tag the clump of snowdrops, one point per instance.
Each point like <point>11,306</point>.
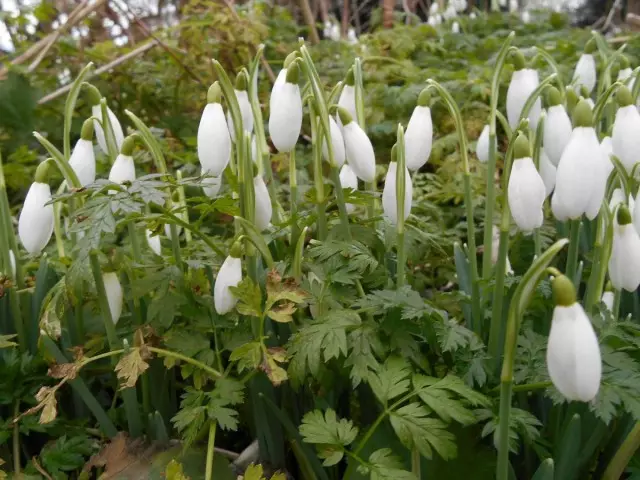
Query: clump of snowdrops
<point>294,293</point>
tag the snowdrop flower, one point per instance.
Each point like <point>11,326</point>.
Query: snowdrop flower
<point>348,179</point>
<point>450,12</point>
<point>123,170</point>
<point>230,275</point>
<point>360,155</point>
<point>636,213</point>
<point>352,38</point>
<point>211,185</point>
<point>455,27</point>
<point>459,5</point>
<point>419,136</point>
<point>513,5</point>
<point>390,194</point>
<point>547,172</point>
<point>334,33</point>
<point>608,298</point>
<point>347,98</point>
<point>83,160</point>
<point>573,352</point>
<point>35,224</point>
<point>617,198</point>
<point>624,263</point>
<point>585,72</point>
<point>113,289</point>
<point>580,179</point>
<point>434,8</point>
<point>153,241</point>
<point>263,209</point>
<point>526,16</point>
<point>242,96</point>
<point>214,141</point>
<point>495,247</point>
<point>285,107</point>
<point>473,15</point>
<point>557,127</point>
<point>626,130</point>
<point>526,191</point>
<point>95,98</point>
<point>523,82</point>
<point>482,147</point>
<point>337,144</point>
<point>607,148</point>
<point>433,20</point>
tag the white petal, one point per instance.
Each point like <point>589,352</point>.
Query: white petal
<point>113,290</point>
<point>526,194</point>
<point>230,275</point>
<point>482,147</point>
<point>245,112</point>
<point>547,172</point>
<point>211,185</point>
<point>285,118</point>
<point>348,179</point>
<point>625,138</point>
<point>418,138</point>
<point>337,144</point>
<point>96,111</point>
<point>347,101</point>
<point>624,263</point>
<point>360,154</point>
<point>557,131</point>
<point>35,224</point>
<point>606,145</point>
<point>390,196</point>
<point>123,170</point>
<point>573,354</point>
<point>263,209</point>
<point>608,299</point>
<point>167,230</point>
<point>585,72</point>
<point>214,141</point>
<point>83,162</point>
<point>523,83</point>
<point>154,242</point>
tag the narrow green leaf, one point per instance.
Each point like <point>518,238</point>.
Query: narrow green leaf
<point>296,266</point>
<point>150,142</point>
<point>70,106</point>
<point>256,238</point>
<point>545,470</point>
<point>568,451</point>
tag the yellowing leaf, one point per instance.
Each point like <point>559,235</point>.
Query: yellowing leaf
<point>282,313</point>
<point>46,397</point>
<point>130,367</point>
<point>63,370</point>
<point>275,372</point>
<point>5,341</point>
<point>174,471</point>
<point>253,472</point>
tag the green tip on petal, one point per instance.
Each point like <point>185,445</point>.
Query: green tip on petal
<point>554,97</point>
<point>572,99</point>
<point>290,59</point>
<point>623,216</point>
<point>87,130</point>
<point>584,92</point>
<point>214,95</point>
<point>564,293</point>
<point>236,249</point>
<point>624,62</point>
<point>345,116</point>
<point>424,98</point>
<point>128,145</point>
<point>350,78</point>
<point>394,153</point>
<point>42,172</point>
<point>582,115</point>
<point>590,46</point>
<point>93,94</point>
<point>255,170</point>
<point>623,96</point>
<point>518,61</point>
<point>521,148</point>
<point>608,287</point>
<point>241,81</point>
<point>293,73</point>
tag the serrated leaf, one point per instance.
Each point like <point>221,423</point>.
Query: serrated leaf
<point>5,341</point>
<point>448,397</point>
<point>130,367</point>
<point>390,380</point>
<point>327,429</point>
<point>249,298</point>
<point>253,472</point>
<point>282,313</point>
<point>248,356</point>
<point>384,465</point>
<point>330,455</point>
<point>174,471</point>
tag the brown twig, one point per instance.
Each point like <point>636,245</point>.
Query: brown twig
<point>345,18</point>
<point>309,20</point>
<point>128,56</point>
<point>42,471</point>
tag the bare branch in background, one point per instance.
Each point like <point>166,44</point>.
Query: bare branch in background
<point>309,20</point>
<point>345,18</point>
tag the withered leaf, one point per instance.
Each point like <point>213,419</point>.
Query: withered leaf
<point>63,370</point>
<point>46,397</point>
<point>282,313</point>
<point>130,367</point>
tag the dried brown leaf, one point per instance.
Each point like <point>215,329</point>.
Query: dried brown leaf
<point>63,370</point>
<point>130,367</point>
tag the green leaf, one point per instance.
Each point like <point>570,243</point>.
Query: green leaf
<point>413,306</point>
<point>5,341</point>
<point>67,454</point>
<point>545,470</point>
<point>327,429</point>
<point>415,429</point>
<point>453,336</point>
<point>331,455</point>
<point>249,298</point>
<point>390,380</point>
<point>248,356</point>
<point>568,450</point>
<point>253,472</point>
<point>386,466</point>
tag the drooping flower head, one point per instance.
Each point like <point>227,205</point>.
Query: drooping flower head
<point>263,208</point>
<point>123,169</point>
<point>337,144</point>
<point>418,138</point>
<point>624,263</point>
<point>285,115</point>
<point>390,194</point>
<point>523,82</point>
<point>360,154</point>
<point>229,275</point>
<point>214,141</point>
<point>95,99</point>
<point>246,114</point>
<point>557,127</point>
<point>348,179</point>
<point>35,224</point>
<point>83,159</point>
<point>625,137</point>
<point>573,353</point>
<point>482,146</point>
<point>347,99</point>
<point>585,73</point>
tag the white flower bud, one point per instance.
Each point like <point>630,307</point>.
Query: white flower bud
<point>214,141</point>
<point>626,136</point>
<point>360,154</point>
<point>114,293</point>
<point>418,138</point>
<point>337,144</point>
<point>547,172</point>
<point>245,112</point>
<point>390,194</point>
<point>83,162</point>
<point>263,208</point>
<point>123,170</point>
<point>624,263</point>
<point>230,275</point>
<point>154,242</point>
<point>557,131</point>
<point>482,147</point>
<point>526,194</point>
<point>285,118</point>
<point>585,72</point>
<point>96,111</point>
<point>523,83</point>
<point>35,224</point>
<point>348,179</point>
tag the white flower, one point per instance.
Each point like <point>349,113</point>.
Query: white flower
<point>113,290</point>
<point>495,248</point>
<point>557,130</point>
<point>230,275</point>
<point>608,299</point>
<point>482,147</point>
<point>352,38</point>
<point>35,224</point>
<point>214,141</point>
<point>83,162</point>
<point>263,209</point>
<point>418,138</point>
<point>526,16</point>
<point>360,154</point>
<point>607,148</point>
<point>450,13</point>
<point>96,111</point>
<point>624,74</point>
<point>455,27</point>
<point>167,231</point>
<point>472,15</point>
<point>580,179</point>
<point>626,132</point>
<point>523,83</point>
<point>617,197</point>
<point>348,179</point>
<point>433,9</point>
<point>433,20</point>
<point>211,185</point>
<point>624,263</point>
<point>285,107</point>
<point>547,172</point>
<point>347,98</point>
<point>122,170</point>
<point>337,144</point>
<point>526,191</point>
<point>390,195</point>
<point>245,113</point>
<point>585,72</point>
<point>154,242</point>
<point>573,354</point>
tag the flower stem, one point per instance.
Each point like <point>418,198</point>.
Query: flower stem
<point>400,190</point>
<point>168,353</point>
<point>293,199</point>
<point>617,296</point>
<point>16,441</point>
<point>318,179</point>
<point>210,451</point>
<point>574,248</point>
<point>502,472</point>
<point>621,459</point>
